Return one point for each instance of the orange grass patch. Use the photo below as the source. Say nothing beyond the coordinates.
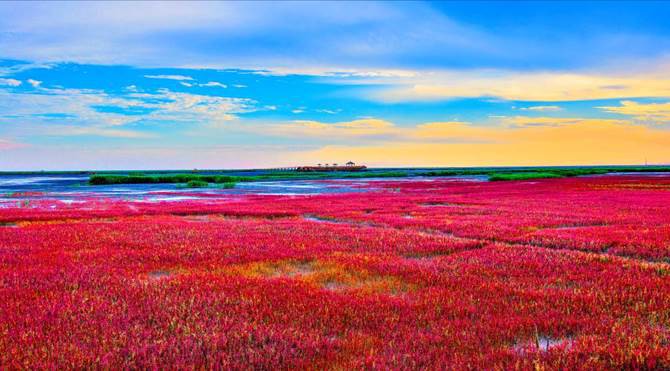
(324, 274)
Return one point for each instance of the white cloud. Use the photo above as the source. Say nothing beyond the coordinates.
(193, 108)
(541, 108)
(214, 83)
(71, 105)
(334, 71)
(329, 111)
(21, 67)
(83, 112)
(169, 77)
(34, 83)
(208, 84)
(10, 82)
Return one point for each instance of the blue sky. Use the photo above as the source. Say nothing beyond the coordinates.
(123, 85)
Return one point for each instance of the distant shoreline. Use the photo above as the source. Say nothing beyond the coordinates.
(614, 168)
(204, 179)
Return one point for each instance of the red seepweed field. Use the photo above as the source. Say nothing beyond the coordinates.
(544, 274)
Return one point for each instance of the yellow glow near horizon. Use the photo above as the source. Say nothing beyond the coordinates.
(566, 142)
(526, 86)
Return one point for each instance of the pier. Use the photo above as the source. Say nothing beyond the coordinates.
(349, 166)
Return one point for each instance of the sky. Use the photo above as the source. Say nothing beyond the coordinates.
(212, 85)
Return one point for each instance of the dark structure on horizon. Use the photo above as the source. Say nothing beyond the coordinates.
(350, 166)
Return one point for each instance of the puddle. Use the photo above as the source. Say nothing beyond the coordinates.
(9, 225)
(542, 344)
(320, 219)
(301, 269)
(170, 198)
(334, 286)
(159, 275)
(439, 204)
(197, 218)
(568, 227)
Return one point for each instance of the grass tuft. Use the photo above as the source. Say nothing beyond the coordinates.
(522, 176)
(196, 184)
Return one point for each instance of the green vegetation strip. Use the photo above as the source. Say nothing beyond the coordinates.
(564, 173)
(522, 176)
(493, 174)
(197, 184)
(229, 181)
(502, 174)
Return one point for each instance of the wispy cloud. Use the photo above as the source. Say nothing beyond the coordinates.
(10, 82)
(329, 111)
(204, 85)
(541, 108)
(348, 129)
(521, 86)
(15, 68)
(8, 144)
(34, 83)
(370, 33)
(169, 77)
(648, 112)
(337, 72)
(372, 130)
(526, 121)
(76, 105)
(93, 112)
(184, 107)
(66, 131)
(213, 84)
